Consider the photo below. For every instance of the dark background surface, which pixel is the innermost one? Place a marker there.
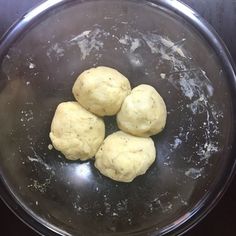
(221, 14)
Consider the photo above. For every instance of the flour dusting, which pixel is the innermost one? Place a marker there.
(135, 44)
(26, 115)
(89, 40)
(42, 187)
(38, 159)
(163, 75)
(124, 40)
(31, 65)
(194, 173)
(207, 150)
(198, 106)
(56, 50)
(177, 143)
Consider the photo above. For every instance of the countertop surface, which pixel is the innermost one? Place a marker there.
(221, 14)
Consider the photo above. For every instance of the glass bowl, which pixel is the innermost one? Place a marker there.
(161, 43)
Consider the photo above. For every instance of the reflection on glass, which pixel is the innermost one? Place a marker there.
(44, 6)
(83, 171)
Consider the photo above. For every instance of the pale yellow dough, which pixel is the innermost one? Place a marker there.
(101, 90)
(122, 157)
(143, 112)
(76, 132)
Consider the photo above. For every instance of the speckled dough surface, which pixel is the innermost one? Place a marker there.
(76, 132)
(122, 157)
(143, 112)
(101, 90)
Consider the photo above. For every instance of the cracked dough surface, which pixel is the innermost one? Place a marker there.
(122, 157)
(76, 132)
(143, 112)
(101, 90)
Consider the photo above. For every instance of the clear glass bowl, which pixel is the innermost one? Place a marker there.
(161, 43)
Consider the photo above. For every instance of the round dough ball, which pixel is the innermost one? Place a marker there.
(101, 90)
(143, 112)
(122, 157)
(76, 132)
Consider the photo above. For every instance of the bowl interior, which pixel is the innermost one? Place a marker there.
(148, 44)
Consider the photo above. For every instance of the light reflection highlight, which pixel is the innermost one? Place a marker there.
(83, 171)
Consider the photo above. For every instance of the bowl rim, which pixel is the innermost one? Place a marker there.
(207, 31)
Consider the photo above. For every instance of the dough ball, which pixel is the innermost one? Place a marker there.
(76, 132)
(101, 90)
(143, 112)
(122, 157)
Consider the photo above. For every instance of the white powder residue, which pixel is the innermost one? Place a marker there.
(209, 126)
(165, 207)
(130, 45)
(81, 36)
(56, 50)
(207, 150)
(208, 85)
(153, 42)
(77, 207)
(60, 51)
(166, 42)
(38, 159)
(89, 40)
(194, 173)
(199, 105)
(107, 204)
(210, 89)
(42, 187)
(176, 144)
(176, 47)
(107, 18)
(135, 43)
(99, 213)
(27, 116)
(180, 52)
(163, 75)
(122, 205)
(124, 40)
(216, 114)
(192, 83)
(135, 59)
(187, 86)
(180, 198)
(31, 65)
(160, 204)
(166, 48)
